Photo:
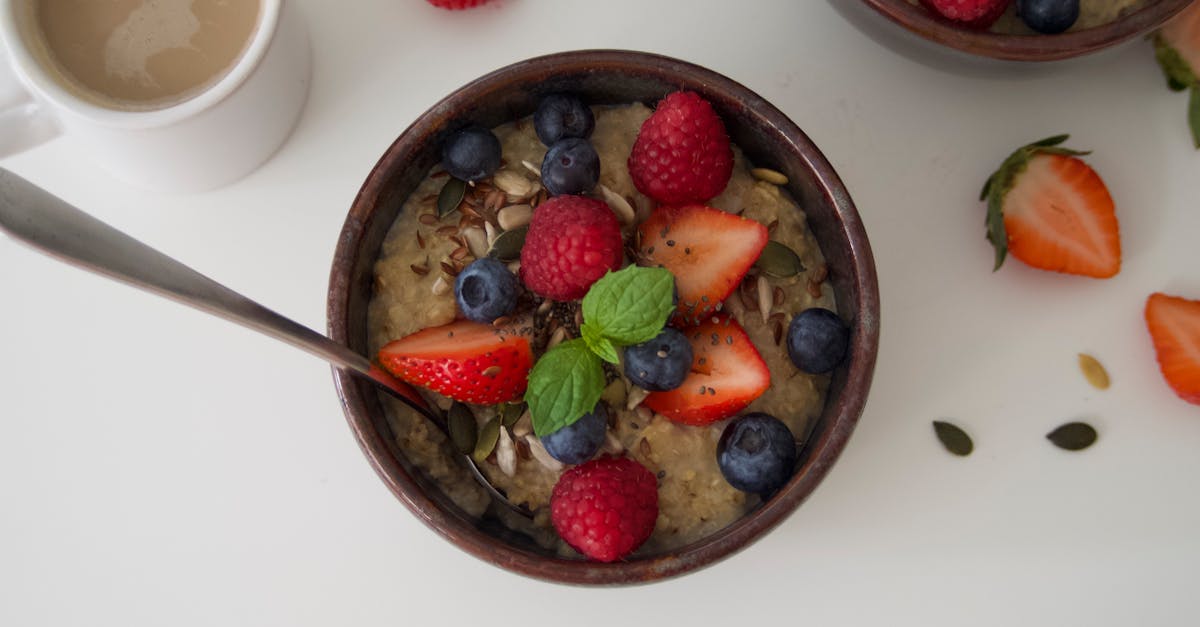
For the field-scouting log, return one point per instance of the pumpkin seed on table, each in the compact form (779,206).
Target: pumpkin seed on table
(1093,371)
(451,196)
(463,430)
(953,438)
(779,261)
(1073,436)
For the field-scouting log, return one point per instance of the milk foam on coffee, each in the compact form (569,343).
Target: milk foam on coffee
(143,54)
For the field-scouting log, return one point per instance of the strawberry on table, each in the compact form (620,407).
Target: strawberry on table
(973,14)
(1051,210)
(1174,325)
(682,153)
(708,251)
(1177,47)
(467,361)
(727,375)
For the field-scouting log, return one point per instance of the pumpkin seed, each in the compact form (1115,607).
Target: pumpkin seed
(507,246)
(779,261)
(463,431)
(953,438)
(486,443)
(511,413)
(1093,372)
(1073,436)
(451,196)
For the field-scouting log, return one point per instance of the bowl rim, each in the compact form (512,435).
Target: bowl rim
(842,413)
(1030,48)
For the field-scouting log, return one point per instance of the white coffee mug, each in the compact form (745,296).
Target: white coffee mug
(213,138)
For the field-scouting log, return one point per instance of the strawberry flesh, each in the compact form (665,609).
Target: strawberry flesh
(467,361)
(1059,216)
(727,375)
(708,251)
(1174,325)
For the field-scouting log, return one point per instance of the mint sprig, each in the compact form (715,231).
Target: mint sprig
(623,308)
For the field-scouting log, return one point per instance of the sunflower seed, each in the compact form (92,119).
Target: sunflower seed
(556,338)
(451,196)
(612,445)
(769,176)
(545,307)
(1093,372)
(514,216)
(532,168)
(491,231)
(539,453)
(460,422)
(779,261)
(765,297)
(440,286)
(524,424)
(476,241)
(507,246)
(953,438)
(1073,436)
(619,205)
(506,453)
(512,183)
(635,398)
(489,434)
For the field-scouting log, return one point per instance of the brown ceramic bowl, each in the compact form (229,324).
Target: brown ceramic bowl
(1028,47)
(763,132)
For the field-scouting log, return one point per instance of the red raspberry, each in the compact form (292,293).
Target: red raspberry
(974,14)
(455,5)
(682,154)
(572,241)
(605,508)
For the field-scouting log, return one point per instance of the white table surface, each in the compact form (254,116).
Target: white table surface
(161,467)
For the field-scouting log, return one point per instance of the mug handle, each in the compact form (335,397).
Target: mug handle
(24,123)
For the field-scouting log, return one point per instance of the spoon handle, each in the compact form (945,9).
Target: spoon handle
(50,224)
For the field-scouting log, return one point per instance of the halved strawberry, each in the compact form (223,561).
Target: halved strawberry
(1174,324)
(708,251)
(1052,211)
(727,375)
(1177,48)
(466,361)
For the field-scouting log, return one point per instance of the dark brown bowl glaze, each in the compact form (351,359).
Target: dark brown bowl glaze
(767,137)
(1028,47)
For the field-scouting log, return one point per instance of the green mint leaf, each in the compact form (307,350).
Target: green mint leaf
(630,306)
(602,346)
(564,385)
(1194,115)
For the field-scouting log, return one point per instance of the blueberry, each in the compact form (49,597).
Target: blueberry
(559,116)
(1048,16)
(471,154)
(660,364)
(756,453)
(571,166)
(485,290)
(578,442)
(817,340)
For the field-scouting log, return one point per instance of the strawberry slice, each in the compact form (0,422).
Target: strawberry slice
(727,375)
(1177,48)
(1174,324)
(708,251)
(466,361)
(1052,211)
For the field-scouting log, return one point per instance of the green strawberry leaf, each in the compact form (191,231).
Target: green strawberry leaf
(630,306)
(602,346)
(564,385)
(1002,180)
(1178,73)
(1194,115)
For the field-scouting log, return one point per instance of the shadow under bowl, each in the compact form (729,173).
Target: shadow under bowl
(766,136)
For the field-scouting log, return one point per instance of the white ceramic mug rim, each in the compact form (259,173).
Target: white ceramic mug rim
(49,89)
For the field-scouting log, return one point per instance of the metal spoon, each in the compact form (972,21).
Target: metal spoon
(55,227)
